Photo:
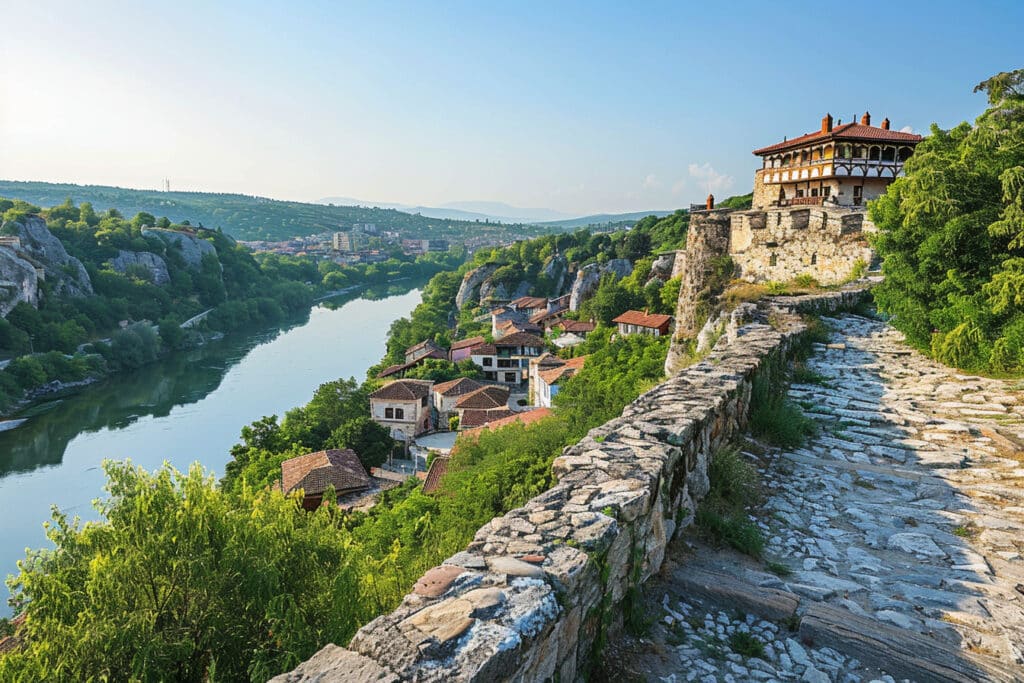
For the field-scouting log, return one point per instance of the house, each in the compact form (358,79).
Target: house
(642,322)
(425,349)
(512,326)
(403,407)
(507,359)
(414,355)
(313,473)
(840,165)
(446,394)
(482,405)
(581,328)
(462,349)
(547,373)
(529,305)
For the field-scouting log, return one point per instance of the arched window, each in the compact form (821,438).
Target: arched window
(889,154)
(905,153)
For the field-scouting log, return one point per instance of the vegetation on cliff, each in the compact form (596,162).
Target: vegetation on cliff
(952,238)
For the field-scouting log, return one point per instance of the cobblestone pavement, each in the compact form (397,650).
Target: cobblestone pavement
(907,507)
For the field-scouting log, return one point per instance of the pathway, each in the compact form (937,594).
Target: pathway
(906,512)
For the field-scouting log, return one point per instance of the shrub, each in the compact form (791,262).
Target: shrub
(722,515)
(806,280)
(775,418)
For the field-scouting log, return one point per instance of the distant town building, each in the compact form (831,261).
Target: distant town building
(842,165)
(403,408)
(642,322)
(346,241)
(547,373)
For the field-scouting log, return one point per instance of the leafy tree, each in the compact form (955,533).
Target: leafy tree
(371,442)
(952,238)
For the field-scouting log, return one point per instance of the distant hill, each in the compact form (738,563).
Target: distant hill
(602,219)
(259,218)
(492,212)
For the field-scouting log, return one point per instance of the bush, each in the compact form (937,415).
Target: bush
(722,515)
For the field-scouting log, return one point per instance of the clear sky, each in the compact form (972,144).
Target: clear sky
(580,107)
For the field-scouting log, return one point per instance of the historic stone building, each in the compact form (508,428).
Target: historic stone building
(841,165)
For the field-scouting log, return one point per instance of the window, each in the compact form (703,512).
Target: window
(814,259)
(511,377)
(389,413)
(826,191)
(488,362)
(423,401)
(399,414)
(774,261)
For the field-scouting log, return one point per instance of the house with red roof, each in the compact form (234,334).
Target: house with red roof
(547,373)
(462,349)
(840,164)
(642,322)
(508,359)
(447,394)
(313,473)
(403,408)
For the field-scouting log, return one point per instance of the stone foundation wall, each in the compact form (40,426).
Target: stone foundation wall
(779,244)
(537,591)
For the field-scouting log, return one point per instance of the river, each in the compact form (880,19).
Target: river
(188,407)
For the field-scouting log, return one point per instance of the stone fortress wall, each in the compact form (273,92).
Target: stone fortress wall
(538,590)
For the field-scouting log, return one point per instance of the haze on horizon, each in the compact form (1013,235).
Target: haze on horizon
(580,108)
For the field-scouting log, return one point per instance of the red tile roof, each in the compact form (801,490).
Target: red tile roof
(652,320)
(426,344)
(485,398)
(314,472)
(566,369)
(577,326)
(485,350)
(520,339)
(847,131)
(530,302)
(457,387)
(438,468)
(478,418)
(526,417)
(395,369)
(403,390)
(466,343)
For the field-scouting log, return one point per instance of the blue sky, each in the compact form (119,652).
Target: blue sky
(581,107)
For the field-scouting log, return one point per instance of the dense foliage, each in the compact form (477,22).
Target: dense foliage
(952,238)
(258,218)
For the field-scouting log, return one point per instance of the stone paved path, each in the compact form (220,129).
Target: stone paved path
(907,507)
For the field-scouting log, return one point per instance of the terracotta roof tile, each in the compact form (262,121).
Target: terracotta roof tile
(485,350)
(847,131)
(578,326)
(530,302)
(403,390)
(520,339)
(652,320)
(457,387)
(438,468)
(314,472)
(478,418)
(485,398)
(467,343)
(563,371)
(526,417)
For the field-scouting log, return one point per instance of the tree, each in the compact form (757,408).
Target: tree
(183,582)
(371,442)
(951,233)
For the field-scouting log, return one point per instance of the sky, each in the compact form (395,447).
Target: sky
(581,107)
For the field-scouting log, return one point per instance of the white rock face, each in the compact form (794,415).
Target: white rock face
(18,282)
(192,248)
(589,277)
(469,290)
(153,263)
(64,270)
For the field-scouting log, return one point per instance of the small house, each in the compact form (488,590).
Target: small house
(642,322)
(403,407)
(313,473)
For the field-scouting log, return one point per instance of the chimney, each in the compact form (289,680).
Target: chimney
(826,124)
(866,119)
(885,124)
(711,202)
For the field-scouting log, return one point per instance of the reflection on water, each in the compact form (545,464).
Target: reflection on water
(188,407)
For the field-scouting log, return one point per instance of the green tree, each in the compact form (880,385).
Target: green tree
(371,442)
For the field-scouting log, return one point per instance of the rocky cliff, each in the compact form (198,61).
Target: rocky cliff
(192,248)
(39,245)
(469,290)
(18,281)
(152,263)
(589,277)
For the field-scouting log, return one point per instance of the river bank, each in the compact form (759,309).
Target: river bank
(187,407)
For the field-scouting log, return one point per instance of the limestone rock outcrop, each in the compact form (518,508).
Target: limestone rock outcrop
(555,270)
(589,277)
(153,263)
(193,249)
(663,266)
(469,290)
(42,248)
(18,281)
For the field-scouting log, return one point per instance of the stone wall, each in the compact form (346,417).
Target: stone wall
(537,591)
(779,244)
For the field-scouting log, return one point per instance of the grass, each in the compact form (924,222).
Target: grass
(864,484)
(778,568)
(804,375)
(722,516)
(746,645)
(776,419)
(969,530)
